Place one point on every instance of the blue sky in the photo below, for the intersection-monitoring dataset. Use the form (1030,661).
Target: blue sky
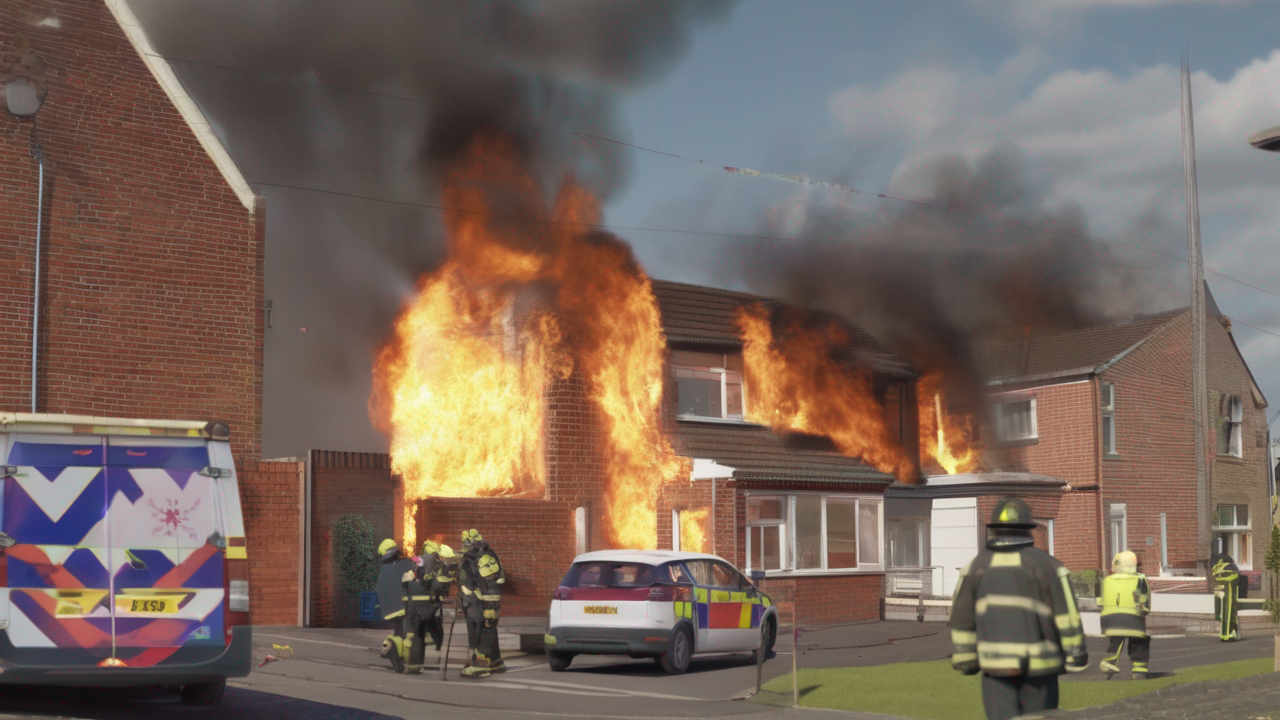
(1084,92)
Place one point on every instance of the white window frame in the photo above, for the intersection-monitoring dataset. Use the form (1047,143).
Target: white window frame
(788,528)
(723,372)
(1000,425)
(1118,515)
(782,525)
(1109,411)
(1233,425)
(1244,560)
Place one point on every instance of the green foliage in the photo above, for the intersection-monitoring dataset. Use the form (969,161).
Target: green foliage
(355,554)
(1272,562)
(1085,579)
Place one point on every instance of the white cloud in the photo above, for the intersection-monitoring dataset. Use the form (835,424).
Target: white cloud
(1111,143)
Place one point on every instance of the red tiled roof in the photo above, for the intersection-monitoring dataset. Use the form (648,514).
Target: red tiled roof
(1067,353)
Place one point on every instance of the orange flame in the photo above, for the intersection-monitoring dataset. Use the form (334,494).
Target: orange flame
(693,530)
(460,388)
(798,385)
(943,437)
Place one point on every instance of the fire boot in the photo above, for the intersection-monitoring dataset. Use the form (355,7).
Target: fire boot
(1108,668)
(478,669)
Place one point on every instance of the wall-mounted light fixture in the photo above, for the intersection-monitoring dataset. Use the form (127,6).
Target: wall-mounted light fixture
(24,101)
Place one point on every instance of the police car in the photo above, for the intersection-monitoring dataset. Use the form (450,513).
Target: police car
(655,603)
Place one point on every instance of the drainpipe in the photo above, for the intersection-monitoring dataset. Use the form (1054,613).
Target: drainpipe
(1097,464)
(35,305)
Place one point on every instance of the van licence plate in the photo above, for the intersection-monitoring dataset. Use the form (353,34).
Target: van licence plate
(600,610)
(153,605)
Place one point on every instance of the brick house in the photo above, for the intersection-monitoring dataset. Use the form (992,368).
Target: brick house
(1108,410)
(758,498)
(151,247)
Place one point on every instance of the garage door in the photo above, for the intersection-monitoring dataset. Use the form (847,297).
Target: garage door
(954,540)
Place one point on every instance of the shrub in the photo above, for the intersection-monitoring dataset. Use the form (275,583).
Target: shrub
(355,554)
(1272,562)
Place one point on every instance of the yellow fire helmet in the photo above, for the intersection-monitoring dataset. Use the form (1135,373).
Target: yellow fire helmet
(1125,562)
(387,548)
(430,547)
(446,551)
(470,537)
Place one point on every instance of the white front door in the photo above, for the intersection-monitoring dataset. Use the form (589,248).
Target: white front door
(954,540)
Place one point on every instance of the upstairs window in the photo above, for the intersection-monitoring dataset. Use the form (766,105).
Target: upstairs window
(1016,419)
(1108,403)
(1230,420)
(708,385)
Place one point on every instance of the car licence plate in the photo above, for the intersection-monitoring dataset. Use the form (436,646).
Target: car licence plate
(600,610)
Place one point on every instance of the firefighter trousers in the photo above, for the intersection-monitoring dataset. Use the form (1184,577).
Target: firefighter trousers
(1229,610)
(482,639)
(1009,697)
(1139,652)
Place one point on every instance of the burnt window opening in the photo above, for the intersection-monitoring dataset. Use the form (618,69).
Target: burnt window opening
(708,385)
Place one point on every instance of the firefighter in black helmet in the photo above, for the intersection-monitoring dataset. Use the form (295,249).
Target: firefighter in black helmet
(480,581)
(1014,618)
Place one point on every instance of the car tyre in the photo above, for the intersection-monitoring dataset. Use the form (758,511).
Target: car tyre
(679,652)
(559,662)
(208,693)
(768,636)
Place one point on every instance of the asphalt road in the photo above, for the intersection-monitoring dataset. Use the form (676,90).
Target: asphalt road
(337,674)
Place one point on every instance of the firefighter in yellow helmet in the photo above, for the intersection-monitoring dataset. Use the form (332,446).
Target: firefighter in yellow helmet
(1125,603)
(1226,579)
(1014,618)
(436,575)
(400,596)
(480,581)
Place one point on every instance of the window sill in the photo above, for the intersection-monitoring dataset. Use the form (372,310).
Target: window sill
(1111,456)
(771,574)
(715,420)
(1233,459)
(1018,442)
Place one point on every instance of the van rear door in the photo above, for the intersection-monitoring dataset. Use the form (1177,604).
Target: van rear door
(167,534)
(56,603)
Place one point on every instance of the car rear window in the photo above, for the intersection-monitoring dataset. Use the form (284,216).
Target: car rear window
(612,575)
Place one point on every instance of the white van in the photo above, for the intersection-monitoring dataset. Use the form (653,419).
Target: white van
(122,554)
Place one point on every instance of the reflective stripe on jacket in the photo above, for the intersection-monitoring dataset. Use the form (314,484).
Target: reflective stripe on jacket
(1014,613)
(1124,604)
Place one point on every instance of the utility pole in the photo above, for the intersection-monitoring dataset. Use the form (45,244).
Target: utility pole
(1199,374)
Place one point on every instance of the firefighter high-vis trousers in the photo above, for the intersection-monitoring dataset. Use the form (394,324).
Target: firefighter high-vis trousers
(1010,697)
(1230,613)
(1139,653)
(483,640)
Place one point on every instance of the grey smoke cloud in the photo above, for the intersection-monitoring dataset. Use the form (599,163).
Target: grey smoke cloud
(374,99)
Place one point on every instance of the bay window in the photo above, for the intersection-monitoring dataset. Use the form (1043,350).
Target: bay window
(814,532)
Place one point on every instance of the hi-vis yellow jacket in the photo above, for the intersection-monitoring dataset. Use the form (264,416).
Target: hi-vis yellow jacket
(1014,614)
(1124,604)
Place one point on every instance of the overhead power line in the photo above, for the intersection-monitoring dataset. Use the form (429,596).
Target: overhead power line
(698,161)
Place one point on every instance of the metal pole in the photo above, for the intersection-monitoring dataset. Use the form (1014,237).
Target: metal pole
(35,304)
(1199,378)
(795,651)
(1164,543)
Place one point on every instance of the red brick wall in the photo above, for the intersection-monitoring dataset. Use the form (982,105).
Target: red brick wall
(535,541)
(152,269)
(342,483)
(1066,447)
(826,600)
(1075,530)
(271,499)
(685,495)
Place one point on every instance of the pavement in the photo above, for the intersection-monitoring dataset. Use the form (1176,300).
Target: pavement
(337,673)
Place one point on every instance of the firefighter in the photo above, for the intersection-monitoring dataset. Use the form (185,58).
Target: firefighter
(436,576)
(1226,578)
(1125,603)
(398,593)
(480,581)
(1014,618)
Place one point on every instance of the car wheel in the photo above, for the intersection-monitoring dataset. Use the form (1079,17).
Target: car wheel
(559,662)
(209,693)
(768,636)
(679,652)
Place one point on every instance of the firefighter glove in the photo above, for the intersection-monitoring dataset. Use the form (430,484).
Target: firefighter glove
(407,576)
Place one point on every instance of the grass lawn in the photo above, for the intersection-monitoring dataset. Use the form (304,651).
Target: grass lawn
(933,691)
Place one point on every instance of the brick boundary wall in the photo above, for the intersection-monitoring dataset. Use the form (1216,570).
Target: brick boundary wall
(342,483)
(151,267)
(827,599)
(272,504)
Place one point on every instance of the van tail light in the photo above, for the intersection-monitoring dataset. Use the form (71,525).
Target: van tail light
(561,593)
(235,585)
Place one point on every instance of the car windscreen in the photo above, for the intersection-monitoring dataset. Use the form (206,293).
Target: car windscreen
(612,575)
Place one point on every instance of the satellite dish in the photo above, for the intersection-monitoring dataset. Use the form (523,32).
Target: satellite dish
(22,97)
(1267,139)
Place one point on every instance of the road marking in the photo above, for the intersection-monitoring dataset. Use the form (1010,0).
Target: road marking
(316,642)
(633,693)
